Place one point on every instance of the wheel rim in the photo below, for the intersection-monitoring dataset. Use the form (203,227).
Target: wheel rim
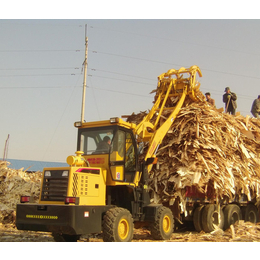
(123,229)
(166,224)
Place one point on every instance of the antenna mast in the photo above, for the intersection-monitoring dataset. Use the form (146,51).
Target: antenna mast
(6,148)
(85,76)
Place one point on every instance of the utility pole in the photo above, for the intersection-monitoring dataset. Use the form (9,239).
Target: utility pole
(6,148)
(85,76)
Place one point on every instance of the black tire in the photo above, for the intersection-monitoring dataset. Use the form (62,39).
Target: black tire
(211,218)
(251,213)
(162,227)
(197,220)
(118,225)
(65,238)
(232,214)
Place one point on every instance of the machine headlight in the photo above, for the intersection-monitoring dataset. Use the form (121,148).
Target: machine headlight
(114,120)
(47,174)
(78,124)
(65,173)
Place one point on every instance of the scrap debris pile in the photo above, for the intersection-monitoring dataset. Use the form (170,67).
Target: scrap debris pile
(205,147)
(13,184)
(239,232)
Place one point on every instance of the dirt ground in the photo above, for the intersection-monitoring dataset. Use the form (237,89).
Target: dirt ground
(240,232)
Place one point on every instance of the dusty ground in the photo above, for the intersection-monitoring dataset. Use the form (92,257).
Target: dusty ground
(244,232)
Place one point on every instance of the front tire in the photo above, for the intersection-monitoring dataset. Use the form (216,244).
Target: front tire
(162,227)
(118,225)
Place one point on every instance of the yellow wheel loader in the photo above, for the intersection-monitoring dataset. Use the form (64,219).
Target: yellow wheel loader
(104,188)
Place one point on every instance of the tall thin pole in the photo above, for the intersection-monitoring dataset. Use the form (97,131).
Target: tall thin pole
(85,76)
(6,148)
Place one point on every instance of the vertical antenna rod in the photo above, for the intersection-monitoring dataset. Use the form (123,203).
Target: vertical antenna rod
(6,148)
(85,76)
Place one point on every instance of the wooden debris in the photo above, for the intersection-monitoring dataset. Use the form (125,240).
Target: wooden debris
(13,184)
(206,148)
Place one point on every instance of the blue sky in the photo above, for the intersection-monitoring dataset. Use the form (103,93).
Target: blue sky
(41,74)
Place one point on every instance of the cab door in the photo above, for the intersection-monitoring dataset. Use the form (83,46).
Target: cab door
(123,159)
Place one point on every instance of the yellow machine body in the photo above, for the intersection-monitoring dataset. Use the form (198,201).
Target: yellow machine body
(88,184)
(108,175)
(91,174)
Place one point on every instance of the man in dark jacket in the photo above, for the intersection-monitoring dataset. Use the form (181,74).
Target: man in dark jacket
(255,110)
(229,98)
(103,146)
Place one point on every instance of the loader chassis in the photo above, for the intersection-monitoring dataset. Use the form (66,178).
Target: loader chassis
(65,219)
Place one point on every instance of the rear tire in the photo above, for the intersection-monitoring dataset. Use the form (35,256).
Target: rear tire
(162,227)
(211,218)
(251,213)
(197,220)
(232,214)
(118,225)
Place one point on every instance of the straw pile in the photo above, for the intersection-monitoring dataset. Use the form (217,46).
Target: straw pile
(13,184)
(205,147)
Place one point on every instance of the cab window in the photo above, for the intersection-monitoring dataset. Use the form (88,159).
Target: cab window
(96,141)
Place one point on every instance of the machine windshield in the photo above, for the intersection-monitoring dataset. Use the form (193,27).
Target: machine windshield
(96,141)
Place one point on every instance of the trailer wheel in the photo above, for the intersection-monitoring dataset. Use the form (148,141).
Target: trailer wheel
(118,225)
(211,219)
(250,213)
(197,220)
(162,227)
(232,214)
(65,238)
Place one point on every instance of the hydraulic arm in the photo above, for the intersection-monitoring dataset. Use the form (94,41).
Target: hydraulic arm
(172,86)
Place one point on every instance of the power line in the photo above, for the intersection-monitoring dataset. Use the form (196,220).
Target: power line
(39,75)
(121,80)
(49,87)
(123,56)
(62,115)
(130,57)
(120,92)
(29,23)
(117,73)
(62,68)
(175,40)
(40,50)
(229,73)
(156,61)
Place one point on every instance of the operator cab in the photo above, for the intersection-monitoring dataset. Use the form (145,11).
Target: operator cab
(113,143)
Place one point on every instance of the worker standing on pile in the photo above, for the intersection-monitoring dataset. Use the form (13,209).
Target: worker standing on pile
(229,98)
(209,99)
(255,110)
